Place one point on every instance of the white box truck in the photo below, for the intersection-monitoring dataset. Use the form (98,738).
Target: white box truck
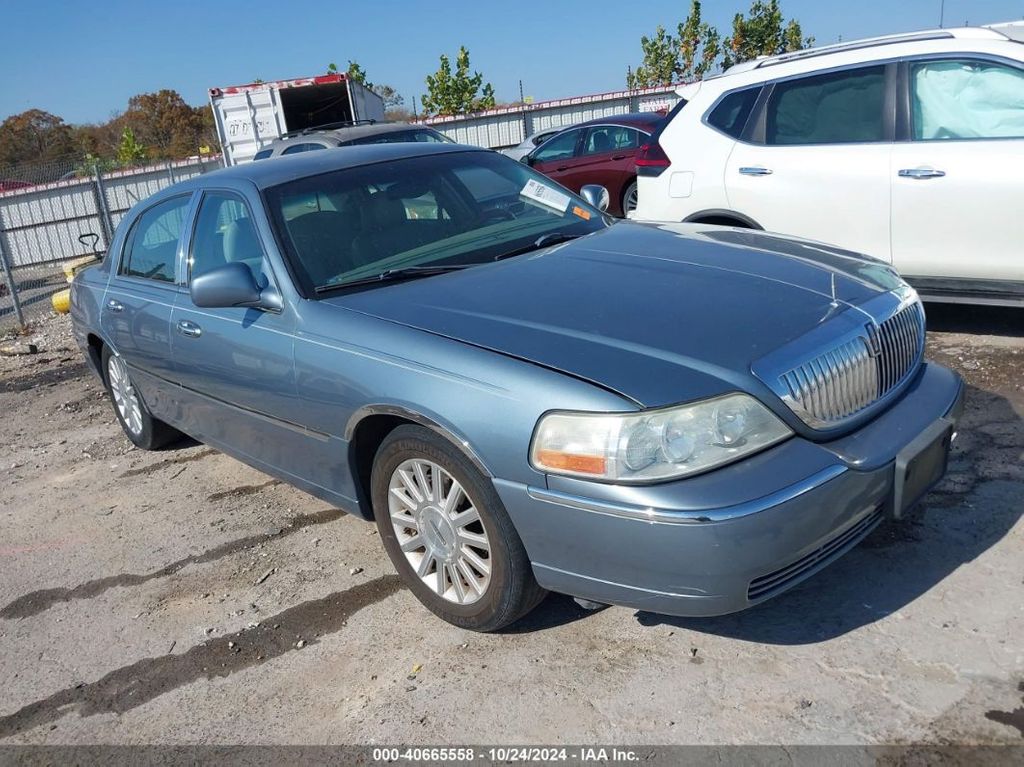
(248,117)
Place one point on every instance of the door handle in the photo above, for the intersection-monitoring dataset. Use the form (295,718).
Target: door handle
(619,157)
(189,329)
(755,171)
(114,306)
(921,173)
(563,167)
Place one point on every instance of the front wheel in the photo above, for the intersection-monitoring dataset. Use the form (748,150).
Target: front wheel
(138,424)
(448,534)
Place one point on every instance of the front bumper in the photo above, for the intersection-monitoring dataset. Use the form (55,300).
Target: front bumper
(726,540)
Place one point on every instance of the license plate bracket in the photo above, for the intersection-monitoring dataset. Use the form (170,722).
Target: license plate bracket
(920,465)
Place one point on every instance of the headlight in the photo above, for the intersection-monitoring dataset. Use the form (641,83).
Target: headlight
(656,444)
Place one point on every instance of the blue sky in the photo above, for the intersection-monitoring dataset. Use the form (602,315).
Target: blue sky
(83,60)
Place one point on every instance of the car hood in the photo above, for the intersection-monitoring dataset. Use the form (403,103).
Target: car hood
(657,313)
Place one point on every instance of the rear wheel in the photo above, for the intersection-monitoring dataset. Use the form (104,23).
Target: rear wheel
(447,533)
(138,424)
(629,199)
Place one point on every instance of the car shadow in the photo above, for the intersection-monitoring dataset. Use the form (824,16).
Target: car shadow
(973,508)
(976,320)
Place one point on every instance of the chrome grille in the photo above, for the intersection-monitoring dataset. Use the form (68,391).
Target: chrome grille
(844,380)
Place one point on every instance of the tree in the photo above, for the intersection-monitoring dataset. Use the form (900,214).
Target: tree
(165,124)
(130,151)
(355,72)
(699,46)
(35,137)
(762,33)
(660,64)
(449,93)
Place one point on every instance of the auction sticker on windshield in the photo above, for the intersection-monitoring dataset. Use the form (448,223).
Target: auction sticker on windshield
(545,195)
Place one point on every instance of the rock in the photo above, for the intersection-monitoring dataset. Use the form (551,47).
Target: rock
(300,644)
(410,688)
(355,571)
(265,575)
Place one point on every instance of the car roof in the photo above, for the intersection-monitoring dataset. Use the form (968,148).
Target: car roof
(333,136)
(291,167)
(630,120)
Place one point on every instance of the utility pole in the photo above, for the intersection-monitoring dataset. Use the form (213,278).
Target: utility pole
(942,13)
(520,91)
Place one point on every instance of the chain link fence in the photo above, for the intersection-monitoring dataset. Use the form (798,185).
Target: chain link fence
(54,216)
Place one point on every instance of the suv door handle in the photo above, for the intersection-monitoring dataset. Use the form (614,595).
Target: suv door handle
(189,329)
(755,171)
(921,173)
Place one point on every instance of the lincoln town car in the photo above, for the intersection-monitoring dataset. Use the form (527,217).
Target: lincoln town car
(523,394)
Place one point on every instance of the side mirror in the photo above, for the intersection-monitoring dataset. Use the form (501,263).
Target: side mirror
(232,285)
(596,195)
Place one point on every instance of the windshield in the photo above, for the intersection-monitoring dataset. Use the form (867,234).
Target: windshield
(439,210)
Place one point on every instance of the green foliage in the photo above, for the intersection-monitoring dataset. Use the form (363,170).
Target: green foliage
(762,33)
(130,151)
(451,93)
(356,73)
(699,46)
(332,68)
(661,61)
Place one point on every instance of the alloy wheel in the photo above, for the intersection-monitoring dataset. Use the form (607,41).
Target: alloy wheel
(439,531)
(125,398)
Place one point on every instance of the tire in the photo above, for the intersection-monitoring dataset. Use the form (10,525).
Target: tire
(626,195)
(445,540)
(136,421)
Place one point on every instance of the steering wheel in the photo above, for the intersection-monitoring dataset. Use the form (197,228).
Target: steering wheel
(496,214)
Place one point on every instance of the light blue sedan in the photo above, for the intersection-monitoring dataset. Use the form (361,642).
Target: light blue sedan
(523,395)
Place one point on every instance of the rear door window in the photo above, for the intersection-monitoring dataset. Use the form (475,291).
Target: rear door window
(836,108)
(966,100)
(609,138)
(152,249)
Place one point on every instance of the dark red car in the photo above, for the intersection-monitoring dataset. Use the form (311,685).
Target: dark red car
(601,152)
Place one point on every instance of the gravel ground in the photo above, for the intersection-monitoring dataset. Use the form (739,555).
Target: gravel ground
(182,597)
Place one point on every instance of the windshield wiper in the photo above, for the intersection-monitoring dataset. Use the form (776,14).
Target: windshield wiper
(393,275)
(551,238)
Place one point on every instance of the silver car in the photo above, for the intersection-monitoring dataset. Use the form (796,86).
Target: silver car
(531,142)
(349,134)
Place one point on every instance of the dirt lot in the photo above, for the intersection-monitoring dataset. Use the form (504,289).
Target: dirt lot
(181,597)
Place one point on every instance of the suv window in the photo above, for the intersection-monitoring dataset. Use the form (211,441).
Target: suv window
(608,138)
(419,135)
(730,116)
(296,148)
(965,100)
(153,245)
(224,234)
(836,108)
(263,154)
(559,148)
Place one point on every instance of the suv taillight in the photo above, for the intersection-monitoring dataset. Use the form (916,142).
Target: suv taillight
(651,159)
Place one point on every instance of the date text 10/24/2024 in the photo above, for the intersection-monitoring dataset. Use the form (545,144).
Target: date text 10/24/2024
(505,754)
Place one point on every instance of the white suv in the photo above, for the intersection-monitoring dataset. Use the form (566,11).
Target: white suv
(909,148)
